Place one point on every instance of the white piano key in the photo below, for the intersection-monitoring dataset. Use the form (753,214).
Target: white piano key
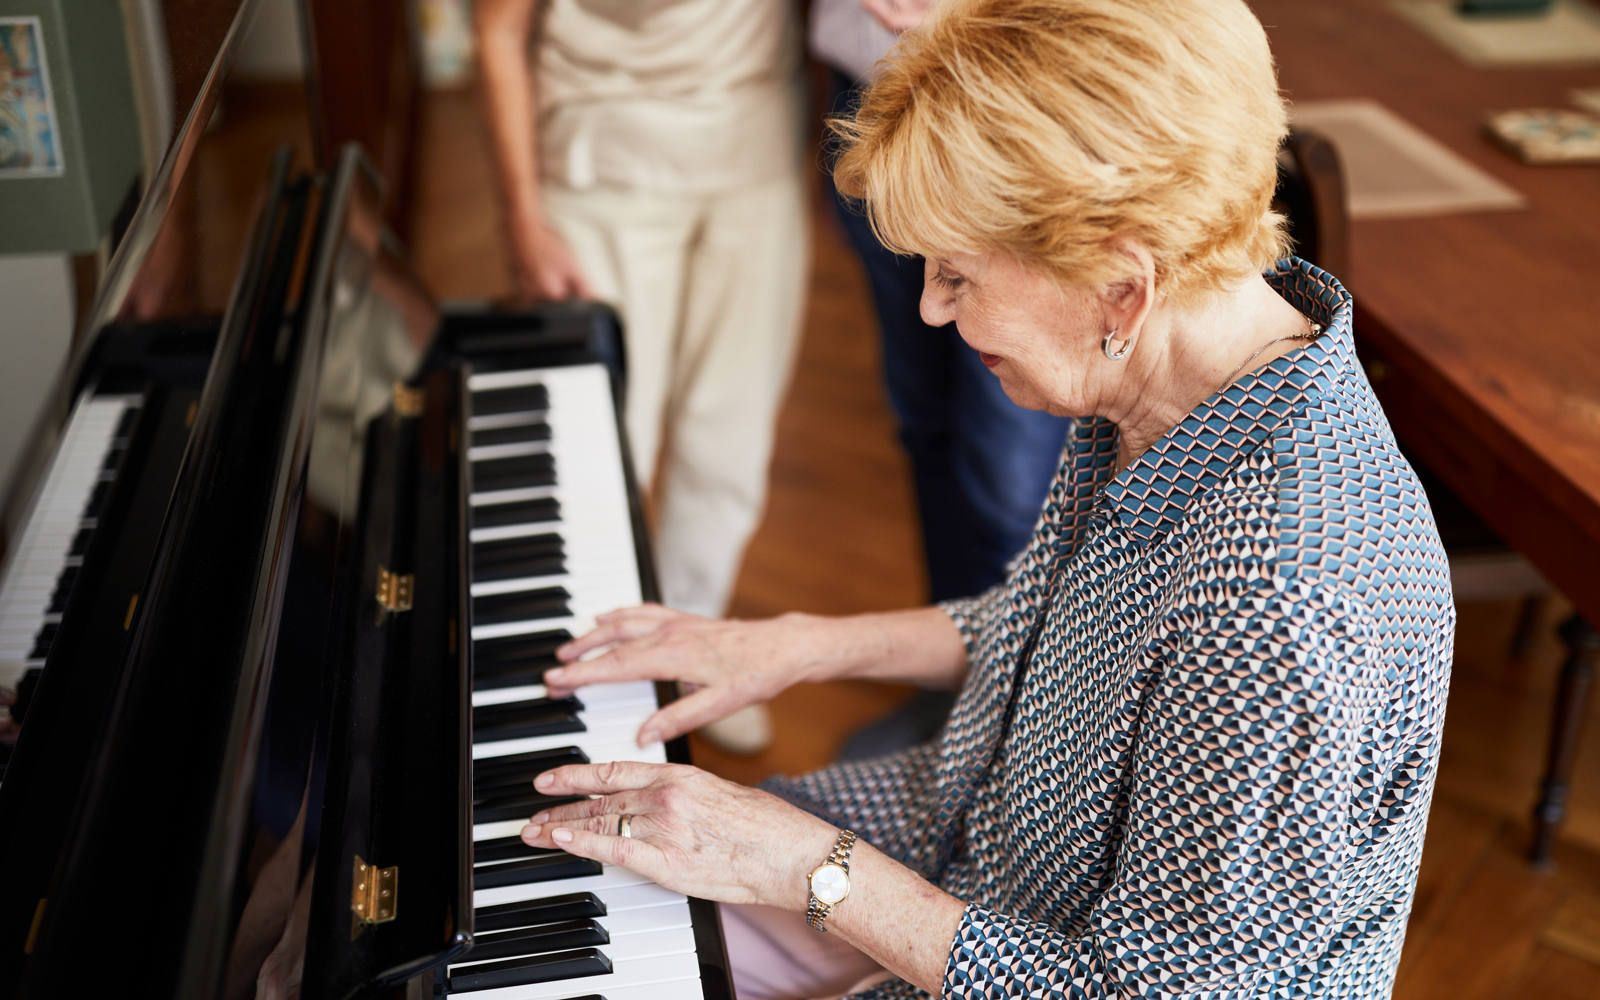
(593,697)
(486,452)
(520,583)
(610,877)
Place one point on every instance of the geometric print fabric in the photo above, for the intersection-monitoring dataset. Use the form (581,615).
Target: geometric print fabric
(1196,744)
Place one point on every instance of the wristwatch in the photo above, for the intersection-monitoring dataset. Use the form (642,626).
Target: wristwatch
(830,881)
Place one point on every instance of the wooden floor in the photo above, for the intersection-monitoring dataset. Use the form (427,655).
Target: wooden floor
(840,536)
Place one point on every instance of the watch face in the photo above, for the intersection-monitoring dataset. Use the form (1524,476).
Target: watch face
(830,883)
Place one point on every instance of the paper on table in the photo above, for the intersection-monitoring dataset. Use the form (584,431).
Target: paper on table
(1567,34)
(1392,169)
(1587,98)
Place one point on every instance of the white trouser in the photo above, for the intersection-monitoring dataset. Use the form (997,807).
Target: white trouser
(710,291)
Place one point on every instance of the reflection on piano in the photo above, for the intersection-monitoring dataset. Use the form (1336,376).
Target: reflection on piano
(282,606)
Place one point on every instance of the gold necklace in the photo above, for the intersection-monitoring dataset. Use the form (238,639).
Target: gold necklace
(1312,333)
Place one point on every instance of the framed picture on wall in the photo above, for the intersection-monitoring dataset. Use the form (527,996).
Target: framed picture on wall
(30,139)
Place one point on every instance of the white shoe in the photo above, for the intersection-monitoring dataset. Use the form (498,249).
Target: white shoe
(746,732)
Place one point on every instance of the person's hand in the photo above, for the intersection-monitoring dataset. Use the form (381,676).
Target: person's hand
(691,831)
(543,266)
(898,15)
(723,665)
(10,728)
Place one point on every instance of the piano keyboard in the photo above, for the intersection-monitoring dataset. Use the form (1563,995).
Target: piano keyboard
(551,549)
(45,561)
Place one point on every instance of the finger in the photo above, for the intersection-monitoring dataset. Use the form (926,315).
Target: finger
(619,665)
(634,854)
(615,805)
(601,779)
(687,714)
(541,833)
(605,633)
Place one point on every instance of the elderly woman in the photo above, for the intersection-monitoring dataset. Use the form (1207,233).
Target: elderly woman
(1198,725)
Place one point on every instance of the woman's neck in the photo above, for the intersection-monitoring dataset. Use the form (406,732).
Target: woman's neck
(1185,355)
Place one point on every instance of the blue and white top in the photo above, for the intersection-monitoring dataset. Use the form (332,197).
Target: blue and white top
(1210,775)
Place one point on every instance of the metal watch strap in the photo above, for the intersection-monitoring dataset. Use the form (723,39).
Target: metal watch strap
(816,910)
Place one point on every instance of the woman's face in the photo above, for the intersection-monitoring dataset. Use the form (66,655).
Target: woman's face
(1040,340)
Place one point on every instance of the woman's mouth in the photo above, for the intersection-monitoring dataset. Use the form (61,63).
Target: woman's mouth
(989,360)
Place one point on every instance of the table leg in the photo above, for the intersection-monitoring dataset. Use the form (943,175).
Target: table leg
(1566,727)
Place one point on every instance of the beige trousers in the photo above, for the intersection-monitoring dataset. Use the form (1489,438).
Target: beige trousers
(710,291)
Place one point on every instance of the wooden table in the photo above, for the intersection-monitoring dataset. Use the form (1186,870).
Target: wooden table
(1483,326)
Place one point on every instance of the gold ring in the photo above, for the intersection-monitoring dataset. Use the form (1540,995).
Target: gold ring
(625,827)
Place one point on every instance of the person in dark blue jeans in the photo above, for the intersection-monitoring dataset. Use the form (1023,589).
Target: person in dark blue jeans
(980,464)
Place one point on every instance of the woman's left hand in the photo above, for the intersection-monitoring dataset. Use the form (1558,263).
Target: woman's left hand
(691,831)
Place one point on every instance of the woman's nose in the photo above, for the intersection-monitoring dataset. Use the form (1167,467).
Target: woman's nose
(937,305)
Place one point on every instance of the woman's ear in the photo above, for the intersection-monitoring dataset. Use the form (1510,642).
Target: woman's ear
(1127,301)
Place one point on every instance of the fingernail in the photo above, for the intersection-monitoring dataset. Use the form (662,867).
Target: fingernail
(562,836)
(543,817)
(555,675)
(530,833)
(544,780)
(563,652)
(648,737)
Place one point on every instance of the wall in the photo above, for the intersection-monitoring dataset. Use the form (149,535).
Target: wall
(36,316)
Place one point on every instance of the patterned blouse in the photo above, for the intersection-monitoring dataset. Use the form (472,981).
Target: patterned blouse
(1197,741)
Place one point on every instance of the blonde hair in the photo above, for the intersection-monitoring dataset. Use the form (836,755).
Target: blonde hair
(1046,128)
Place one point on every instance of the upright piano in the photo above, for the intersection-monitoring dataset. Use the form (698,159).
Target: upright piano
(278,614)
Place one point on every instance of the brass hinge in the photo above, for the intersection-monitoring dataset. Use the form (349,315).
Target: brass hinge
(407,400)
(374,894)
(394,590)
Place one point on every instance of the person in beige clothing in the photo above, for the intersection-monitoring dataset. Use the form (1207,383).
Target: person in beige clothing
(650,155)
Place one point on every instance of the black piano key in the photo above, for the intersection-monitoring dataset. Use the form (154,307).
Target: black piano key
(527,971)
(515,473)
(80,542)
(529,912)
(512,677)
(515,434)
(518,547)
(524,767)
(43,640)
(521,719)
(505,849)
(499,515)
(515,399)
(514,806)
(521,606)
(68,577)
(125,425)
(97,499)
(541,868)
(537,940)
(25,689)
(113,459)
(541,566)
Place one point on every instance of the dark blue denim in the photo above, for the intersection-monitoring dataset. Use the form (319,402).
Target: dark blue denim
(981,463)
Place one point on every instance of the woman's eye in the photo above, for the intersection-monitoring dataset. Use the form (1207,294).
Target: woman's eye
(946,281)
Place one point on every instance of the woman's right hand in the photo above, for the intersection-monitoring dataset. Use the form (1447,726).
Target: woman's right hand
(543,265)
(723,665)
